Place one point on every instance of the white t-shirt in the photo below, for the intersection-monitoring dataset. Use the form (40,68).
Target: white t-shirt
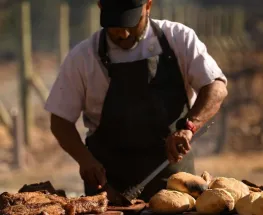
(82,83)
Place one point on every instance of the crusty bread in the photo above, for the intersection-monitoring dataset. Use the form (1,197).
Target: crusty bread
(237,188)
(214,201)
(187,183)
(171,201)
(244,205)
(191,199)
(207,177)
(257,205)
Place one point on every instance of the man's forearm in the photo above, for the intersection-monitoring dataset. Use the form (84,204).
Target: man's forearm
(69,139)
(208,103)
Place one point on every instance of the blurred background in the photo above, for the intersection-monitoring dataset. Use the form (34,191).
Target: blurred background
(35,36)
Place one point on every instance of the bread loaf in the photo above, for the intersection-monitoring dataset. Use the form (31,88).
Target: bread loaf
(187,183)
(257,205)
(207,177)
(170,201)
(244,205)
(237,188)
(214,201)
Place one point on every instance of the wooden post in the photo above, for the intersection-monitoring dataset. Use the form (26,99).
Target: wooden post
(227,21)
(161,7)
(221,141)
(179,13)
(40,87)
(166,9)
(5,116)
(26,69)
(193,17)
(188,16)
(92,19)
(63,30)
(201,19)
(155,11)
(218,21)
(19,139)
(238,21)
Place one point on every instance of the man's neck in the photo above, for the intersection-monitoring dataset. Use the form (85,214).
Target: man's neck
(144,31)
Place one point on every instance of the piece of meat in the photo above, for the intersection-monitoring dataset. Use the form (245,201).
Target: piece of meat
(42,186)
(7,199)
(36,203)
(90,204)
(34,209)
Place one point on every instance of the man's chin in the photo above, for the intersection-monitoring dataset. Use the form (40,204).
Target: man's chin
(126,45)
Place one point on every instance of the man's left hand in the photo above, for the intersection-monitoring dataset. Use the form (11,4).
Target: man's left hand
(178,144)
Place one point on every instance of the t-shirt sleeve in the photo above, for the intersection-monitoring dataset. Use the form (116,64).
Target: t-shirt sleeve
(201,68)
(67,95)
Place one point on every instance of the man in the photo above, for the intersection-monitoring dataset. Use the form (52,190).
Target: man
(145,87)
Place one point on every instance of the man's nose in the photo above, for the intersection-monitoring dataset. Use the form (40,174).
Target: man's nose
(124,33)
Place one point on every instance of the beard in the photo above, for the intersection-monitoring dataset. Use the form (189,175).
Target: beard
(132,40)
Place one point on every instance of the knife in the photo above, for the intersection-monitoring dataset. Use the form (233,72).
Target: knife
(135,191)
(115,197)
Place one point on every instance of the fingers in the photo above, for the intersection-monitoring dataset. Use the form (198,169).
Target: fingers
(169,150)
(178,145)
(180,148)
(183,144)
(90,178)
(100,177)
(174,151)
(173,154)
(186,144)
(170,154)
(95,177)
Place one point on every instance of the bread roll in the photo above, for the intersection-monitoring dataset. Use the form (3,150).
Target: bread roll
(207,177)
(187,183)
(257,205)
(191,199)
(237,188)
(170,201)
(244,205)
(214,201)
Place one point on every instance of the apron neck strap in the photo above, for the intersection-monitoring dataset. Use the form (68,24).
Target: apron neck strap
(103,49)
(168,52)
(103,46)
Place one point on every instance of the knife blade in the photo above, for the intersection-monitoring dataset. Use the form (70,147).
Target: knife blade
(135,191)
(115,197)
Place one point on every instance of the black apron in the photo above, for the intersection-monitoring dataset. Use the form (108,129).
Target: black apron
(135,120)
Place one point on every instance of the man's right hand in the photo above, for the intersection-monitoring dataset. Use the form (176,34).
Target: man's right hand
(92,172)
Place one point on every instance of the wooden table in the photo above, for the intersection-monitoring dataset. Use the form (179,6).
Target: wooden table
(110,213)
(148,212)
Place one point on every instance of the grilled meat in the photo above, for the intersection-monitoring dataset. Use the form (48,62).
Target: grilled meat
(42,186)
(37,203)
(35,209)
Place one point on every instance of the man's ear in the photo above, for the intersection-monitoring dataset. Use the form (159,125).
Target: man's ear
(149,6)
(99,5)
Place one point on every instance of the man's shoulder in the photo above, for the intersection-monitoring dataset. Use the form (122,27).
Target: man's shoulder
(85,47)
(172,27)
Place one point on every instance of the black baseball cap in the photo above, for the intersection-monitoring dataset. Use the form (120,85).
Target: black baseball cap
(121,13)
